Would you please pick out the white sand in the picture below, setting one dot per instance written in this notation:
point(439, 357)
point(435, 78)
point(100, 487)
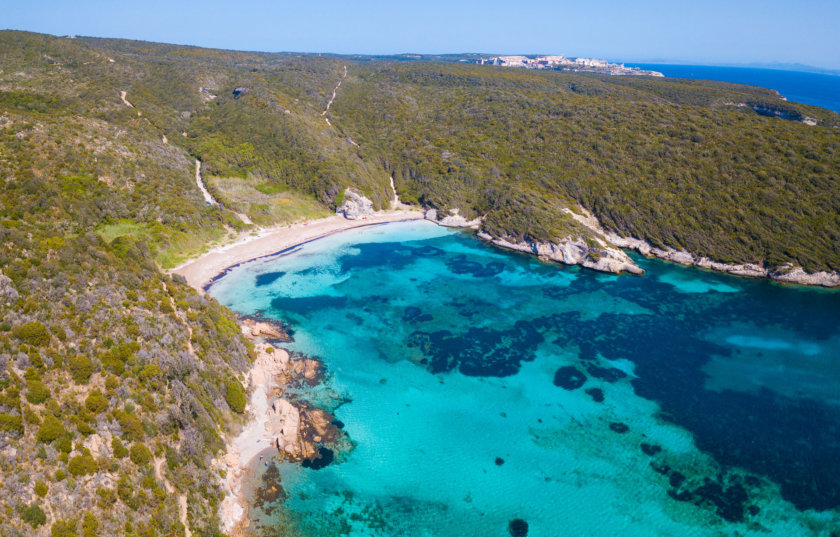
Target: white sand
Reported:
point(199, 272)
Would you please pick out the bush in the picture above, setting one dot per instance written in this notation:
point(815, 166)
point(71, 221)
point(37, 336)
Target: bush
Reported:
point(33, 515)
point(36, 392)
point(33, 333)
point(11, 424)
point(82, 465)
point(50, 429)
point(96, 402)
point(118, 448)
point(140, 454)
point(81, 368)
point(235, 396)
point(90, 525)
point(64, 528)
point(41, 489)
point(131, 426)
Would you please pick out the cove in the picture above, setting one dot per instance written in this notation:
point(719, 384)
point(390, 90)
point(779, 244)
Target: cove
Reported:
point(487, 393)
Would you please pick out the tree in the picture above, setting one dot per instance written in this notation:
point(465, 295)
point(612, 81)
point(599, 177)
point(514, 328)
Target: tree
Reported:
point(33, 333)
point(235, 396)
point(50, 429)
point(81, 368)
point(140, 454)
point(96, 402)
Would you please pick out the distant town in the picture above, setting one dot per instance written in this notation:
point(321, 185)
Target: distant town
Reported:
point(562, 63)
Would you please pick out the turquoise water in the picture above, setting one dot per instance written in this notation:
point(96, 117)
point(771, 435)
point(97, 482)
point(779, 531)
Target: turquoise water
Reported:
point(481, 386)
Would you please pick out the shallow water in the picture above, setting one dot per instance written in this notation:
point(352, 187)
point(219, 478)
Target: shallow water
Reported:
point(481, 386)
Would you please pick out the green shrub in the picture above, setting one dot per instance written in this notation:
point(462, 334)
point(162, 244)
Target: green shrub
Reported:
point(118, 448)
point(235, 396)
point(90, 525)
point(96, 402)
point(33, 515)
point(64, 528)
point(82, 465)
point(81, 368)
point(60, 475)
point(131, 426)
point(33, 333)
point(50, 429)
point(11, 424)
point(140, 454)
point(41, 489)
point(36, 392)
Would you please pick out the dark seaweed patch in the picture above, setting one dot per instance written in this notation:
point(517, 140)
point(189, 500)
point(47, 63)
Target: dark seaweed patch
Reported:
point(619, 427)
point(459, 264)
point(268, 278)
point(650, 449)
point(499, 461)
point(597, 394)
point(324, 458)
point(609, 374)
point(569, 378)
point(480, 352)
point(414, 315)
point(518, 528)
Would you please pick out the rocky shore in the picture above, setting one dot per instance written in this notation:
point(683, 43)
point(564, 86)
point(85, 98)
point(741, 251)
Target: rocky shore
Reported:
point(280, 424)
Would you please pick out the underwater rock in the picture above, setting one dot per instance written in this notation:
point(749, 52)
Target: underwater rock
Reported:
point(499, 461)
point(518, 528)
point(569, 378)
point(597, 394)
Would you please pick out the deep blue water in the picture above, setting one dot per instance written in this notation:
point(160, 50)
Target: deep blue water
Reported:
point(808, 88)
point(481, 387)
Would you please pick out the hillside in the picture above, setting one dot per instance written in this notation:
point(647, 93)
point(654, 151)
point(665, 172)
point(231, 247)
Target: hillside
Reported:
point(115, 389)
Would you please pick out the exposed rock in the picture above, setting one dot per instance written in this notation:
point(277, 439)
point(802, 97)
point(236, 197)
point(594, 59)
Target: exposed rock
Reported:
point(452, 220)
point(8, 293)
point(573, 252)
point(255, 328)
point(284, 424)
point(240, 91)
point(355, 206)
point(787, 273)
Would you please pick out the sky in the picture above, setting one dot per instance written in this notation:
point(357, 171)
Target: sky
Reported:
point(678, 31)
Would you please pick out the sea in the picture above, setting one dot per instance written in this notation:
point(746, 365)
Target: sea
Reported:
point(486, 393)
point(808, 88)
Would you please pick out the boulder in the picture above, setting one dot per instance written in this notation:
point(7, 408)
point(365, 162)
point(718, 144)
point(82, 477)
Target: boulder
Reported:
point(8, 293)
point(355, 206)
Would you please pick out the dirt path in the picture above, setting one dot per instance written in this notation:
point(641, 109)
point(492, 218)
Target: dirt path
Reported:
point(198, 181)
point(122, 96)
point(327, 109)
point(182, 499)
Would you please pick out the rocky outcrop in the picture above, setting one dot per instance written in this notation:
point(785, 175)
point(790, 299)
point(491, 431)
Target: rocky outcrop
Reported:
point(573, 251)
point(452, 220)
point(8, 293)
point(355, 206)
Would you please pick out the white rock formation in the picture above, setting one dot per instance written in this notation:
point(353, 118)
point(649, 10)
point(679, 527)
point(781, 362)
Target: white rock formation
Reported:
point(355, 206)
point(573, 252)
point(453, 220)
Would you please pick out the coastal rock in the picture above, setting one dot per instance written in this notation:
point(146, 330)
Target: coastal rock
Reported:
point(355, 206)
point(787, 273)
point(254, 328)
point(8, 293)
point(284, 425)
point(452, 220)
point(573, 252)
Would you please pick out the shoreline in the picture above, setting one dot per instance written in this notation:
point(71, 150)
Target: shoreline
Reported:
point(206, 268)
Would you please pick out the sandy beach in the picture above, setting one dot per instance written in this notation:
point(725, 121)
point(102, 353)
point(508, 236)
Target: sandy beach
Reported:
point(200, 271)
